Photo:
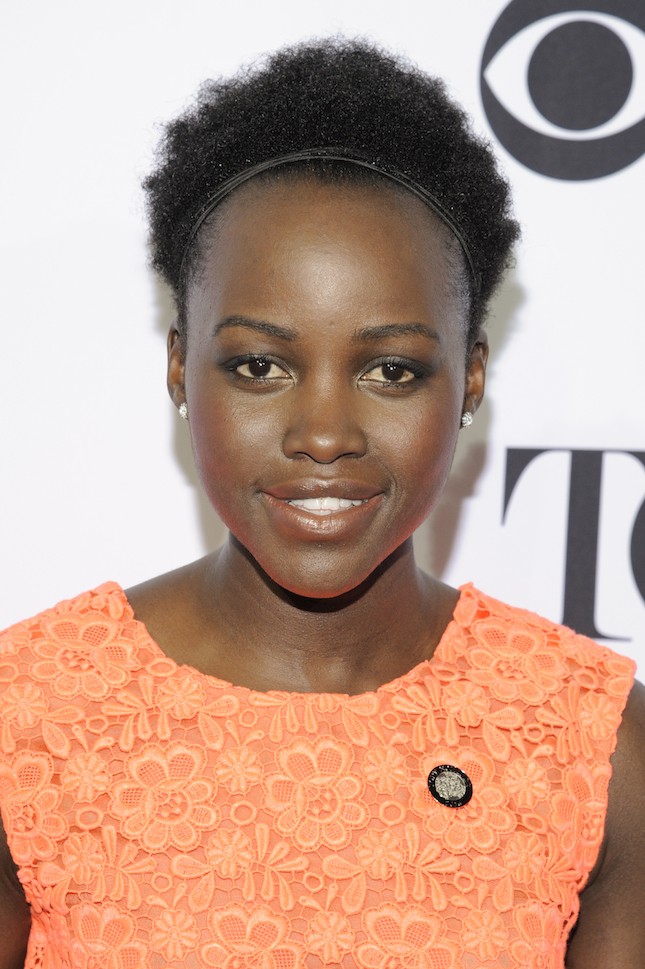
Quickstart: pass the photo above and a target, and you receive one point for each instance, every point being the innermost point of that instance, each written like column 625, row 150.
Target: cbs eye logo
column 571, row 72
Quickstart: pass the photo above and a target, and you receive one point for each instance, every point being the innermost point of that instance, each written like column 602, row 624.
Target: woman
column 301, row 750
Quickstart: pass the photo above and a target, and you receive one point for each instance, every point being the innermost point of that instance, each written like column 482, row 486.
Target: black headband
column 339, row 155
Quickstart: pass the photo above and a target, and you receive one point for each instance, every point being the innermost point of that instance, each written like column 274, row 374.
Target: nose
column 325, row 426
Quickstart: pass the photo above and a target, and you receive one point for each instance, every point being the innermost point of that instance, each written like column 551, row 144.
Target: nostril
column 324, row 440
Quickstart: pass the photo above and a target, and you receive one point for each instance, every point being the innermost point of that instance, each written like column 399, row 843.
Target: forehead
column 292, row 237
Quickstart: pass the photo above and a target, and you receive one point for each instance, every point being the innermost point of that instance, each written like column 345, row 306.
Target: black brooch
column 450, row 786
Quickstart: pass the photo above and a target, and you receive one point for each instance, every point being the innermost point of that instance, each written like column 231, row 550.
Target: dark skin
column 323, row 419
column 326, row 358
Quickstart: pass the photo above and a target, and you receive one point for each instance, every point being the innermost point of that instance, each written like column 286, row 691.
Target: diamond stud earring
column 183, row 410
column 466, row 419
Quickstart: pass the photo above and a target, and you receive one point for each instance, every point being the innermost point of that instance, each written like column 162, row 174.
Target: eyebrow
column 260, row 326
column 365, row 333
column 396, row 329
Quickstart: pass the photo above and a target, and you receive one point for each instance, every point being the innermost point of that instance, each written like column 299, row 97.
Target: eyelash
column 232, row 366
column 418, row 371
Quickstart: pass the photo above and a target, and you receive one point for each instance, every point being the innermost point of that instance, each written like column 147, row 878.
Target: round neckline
column 392, row 686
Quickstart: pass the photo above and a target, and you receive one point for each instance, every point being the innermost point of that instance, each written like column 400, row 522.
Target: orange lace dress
column 164, row 819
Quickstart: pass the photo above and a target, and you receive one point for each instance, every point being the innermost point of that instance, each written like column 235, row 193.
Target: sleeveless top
column 162, row 818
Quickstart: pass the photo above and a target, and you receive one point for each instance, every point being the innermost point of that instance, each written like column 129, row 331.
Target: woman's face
column 325, row 375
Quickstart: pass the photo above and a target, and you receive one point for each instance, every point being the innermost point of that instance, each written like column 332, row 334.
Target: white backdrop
column 96, row 480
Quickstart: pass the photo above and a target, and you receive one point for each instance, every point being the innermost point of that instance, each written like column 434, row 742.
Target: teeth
column 326, row 505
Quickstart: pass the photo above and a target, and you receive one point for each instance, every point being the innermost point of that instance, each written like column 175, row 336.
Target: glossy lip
column 298, row 523
column 320, row 488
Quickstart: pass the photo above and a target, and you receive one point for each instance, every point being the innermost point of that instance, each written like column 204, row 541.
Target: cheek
column 416, row 445
column 431, row 438
column 231, row 447
column 426, row 449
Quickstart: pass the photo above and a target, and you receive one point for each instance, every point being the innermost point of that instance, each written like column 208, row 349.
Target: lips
column 314, row 509
column 320, row 489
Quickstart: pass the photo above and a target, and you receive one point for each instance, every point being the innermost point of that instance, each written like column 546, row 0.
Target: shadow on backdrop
column 213, row 532
column 435, row 540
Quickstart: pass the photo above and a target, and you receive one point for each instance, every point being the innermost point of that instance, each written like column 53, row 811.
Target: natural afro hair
column 331, row 93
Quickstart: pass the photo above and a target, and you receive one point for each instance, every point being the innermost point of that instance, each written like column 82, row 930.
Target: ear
column 175, row 375
column 476, row 373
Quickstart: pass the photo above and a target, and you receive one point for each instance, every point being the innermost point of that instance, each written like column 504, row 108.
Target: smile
column 322, row 517
column 327, row 505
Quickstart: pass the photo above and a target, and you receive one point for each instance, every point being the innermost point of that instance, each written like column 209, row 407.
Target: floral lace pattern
column 162, row 818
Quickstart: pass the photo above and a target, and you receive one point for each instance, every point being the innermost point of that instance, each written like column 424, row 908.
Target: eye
column 258, row 368
column 564, row 93
column 391, row 372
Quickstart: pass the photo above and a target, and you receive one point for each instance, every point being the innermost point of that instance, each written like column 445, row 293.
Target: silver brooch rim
column 436, row 772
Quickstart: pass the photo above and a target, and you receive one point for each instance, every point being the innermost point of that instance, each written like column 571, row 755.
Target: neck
column 273, row 639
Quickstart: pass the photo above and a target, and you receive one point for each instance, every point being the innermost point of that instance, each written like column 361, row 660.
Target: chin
column 328, row 581
column 324, row 591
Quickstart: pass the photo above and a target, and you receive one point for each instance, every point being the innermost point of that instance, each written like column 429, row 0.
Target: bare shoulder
column 611, row 927
column 159, row 601
column 170, row 607
column 169, row 584
column 15, row 919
